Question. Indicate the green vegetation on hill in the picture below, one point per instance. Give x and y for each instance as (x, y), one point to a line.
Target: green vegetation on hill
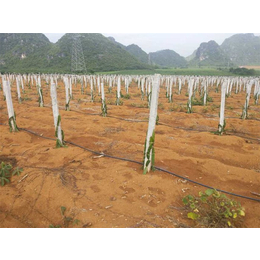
(22, 51)
(35, 53)
(136, 51)
(209, 54)
(167, 58)
(243, 49)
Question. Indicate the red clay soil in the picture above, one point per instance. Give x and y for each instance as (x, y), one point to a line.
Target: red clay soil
(103, 192)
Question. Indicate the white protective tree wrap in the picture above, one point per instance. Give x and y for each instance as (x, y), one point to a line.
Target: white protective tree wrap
(248, 93)
(67, 96)
(118, 93)
(10, 108)
(221, 125)
(39, 89)
(56, 116)
(18, 90)
(190, 89)
(149, 142)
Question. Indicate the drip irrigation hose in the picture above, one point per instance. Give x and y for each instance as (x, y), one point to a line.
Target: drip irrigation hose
(133, 161)
(160, 123)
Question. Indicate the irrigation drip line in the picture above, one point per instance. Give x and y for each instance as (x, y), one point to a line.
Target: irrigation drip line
(204, 114)
(182, 128)
(133, 161)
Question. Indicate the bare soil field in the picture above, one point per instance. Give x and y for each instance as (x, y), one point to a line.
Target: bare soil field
(102, 192)
(251, 67)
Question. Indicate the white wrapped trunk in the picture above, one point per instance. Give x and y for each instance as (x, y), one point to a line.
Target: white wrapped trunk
(222, 107)
(118, 95)
(148, 152)
(55, 110)
(18, 90)
(9, 104)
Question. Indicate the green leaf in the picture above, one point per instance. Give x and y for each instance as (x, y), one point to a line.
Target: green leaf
(204, 198)
(242, 213)
(209, 192)
(193, 215)
(17, 171)
(63, 209)
(201, 193)
(76, 222)
(185, 201)
(190, 197)
(68, 219)
(192, 206)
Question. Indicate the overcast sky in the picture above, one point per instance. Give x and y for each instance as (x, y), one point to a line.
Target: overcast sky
(183, 43)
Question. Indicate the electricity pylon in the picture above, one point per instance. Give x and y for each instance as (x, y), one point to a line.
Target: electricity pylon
(77, 56)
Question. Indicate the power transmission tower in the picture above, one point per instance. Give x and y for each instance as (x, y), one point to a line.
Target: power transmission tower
(77, 56)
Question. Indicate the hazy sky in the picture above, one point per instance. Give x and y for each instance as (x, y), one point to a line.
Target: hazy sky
(183, 43)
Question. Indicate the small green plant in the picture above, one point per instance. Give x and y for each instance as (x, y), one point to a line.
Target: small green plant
(126, 96)
(104, 108)
(119, 102)
(59, 143)
(214, 210)
(26, 98)
(66, 220)
(12, 124)
(136, 95)
(230, 107)
(144, 105)
(67, 106)
(189, 106)
(199, 102)
(149, 160)
(209, 99)
(142, 95)
(6, 172)
(157, 120)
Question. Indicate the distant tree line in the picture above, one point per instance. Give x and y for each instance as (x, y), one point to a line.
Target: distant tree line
(242, 71)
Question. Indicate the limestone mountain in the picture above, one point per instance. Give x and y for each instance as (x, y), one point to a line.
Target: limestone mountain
(136, 51)
(243, 49)
(112, 39)
(99, 52)
(133, 49)
(167, 58)
(23, 52)
(209, 54)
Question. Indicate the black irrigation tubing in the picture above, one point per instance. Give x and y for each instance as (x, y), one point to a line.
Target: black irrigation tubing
(204, 114)
(96, 114)
(133, 161)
